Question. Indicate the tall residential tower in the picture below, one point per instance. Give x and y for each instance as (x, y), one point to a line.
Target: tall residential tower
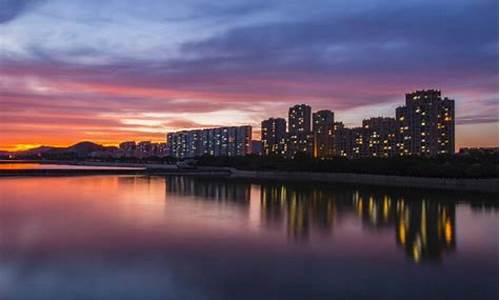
(323, 122)
(299, 130)
(426, 124)
(273, 136)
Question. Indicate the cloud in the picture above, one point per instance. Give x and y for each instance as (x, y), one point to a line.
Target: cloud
(187, 124)
(202, 59)
(478, 119)
(11, 9)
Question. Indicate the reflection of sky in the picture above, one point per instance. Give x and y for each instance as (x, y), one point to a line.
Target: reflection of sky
(172, 65)
(53, 166)
(125, 237)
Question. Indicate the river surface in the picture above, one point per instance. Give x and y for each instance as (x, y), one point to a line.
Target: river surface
(139, 237)
(39, 166)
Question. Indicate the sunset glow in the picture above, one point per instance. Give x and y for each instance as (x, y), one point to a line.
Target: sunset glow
(103, 72)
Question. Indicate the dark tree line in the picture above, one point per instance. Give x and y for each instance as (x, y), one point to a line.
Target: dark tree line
(456, 166)
(475, 165)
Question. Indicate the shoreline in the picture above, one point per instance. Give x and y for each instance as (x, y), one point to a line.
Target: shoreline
(487, 185)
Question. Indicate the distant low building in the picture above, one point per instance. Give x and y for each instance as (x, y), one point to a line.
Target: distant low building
(128, 147)
(221, 141)
(143, 149)
(478, 150)
(160, 149)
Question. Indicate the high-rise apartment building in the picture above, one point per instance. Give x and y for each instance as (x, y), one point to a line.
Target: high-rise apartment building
(273, 136)
(299, 130)
(426, 124)
(342, 140)
(222, 141)
(379, 137)
(323, 123)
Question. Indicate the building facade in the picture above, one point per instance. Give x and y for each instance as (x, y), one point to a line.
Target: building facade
(143, 149)
(128, 147)
(426, 124)
(323, 123)
(379, 137)
(342, 140)
(222, 141)
(300, 137)
(273, 136)
(256, 147)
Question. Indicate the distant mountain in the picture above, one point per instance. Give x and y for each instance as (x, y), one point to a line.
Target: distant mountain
(84, 148)
(79, 149)
(36, 151)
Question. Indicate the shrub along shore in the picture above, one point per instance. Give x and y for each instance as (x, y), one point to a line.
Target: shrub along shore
(478, 166)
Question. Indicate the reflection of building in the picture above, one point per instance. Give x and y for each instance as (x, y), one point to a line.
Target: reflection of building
(426, 229)
(208, 188)
(222, 141)
(323, 121)
(299, 130)
(375, 210)
(299, 209)
(274, 136)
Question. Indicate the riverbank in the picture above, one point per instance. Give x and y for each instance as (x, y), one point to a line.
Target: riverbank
(488, 185)
(69, 172)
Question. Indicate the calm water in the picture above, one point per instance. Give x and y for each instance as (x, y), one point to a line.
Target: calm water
(132, 237)
(58, 167)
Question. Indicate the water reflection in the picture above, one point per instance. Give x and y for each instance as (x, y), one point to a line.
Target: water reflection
(220, 190)
(134, 237)
(425, 229)
(424, 226)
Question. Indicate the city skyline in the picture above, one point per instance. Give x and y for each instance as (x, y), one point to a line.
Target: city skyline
(424, 126)
(194, 65)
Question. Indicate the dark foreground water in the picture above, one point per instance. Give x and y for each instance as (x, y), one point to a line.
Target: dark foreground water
(129, 237)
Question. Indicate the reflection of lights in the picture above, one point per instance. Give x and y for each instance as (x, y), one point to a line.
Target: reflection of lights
(359, 206)
(386, 207)
(448, 232)
(402, 233)
(407, 218)
(423, 223)
(417, 249)
(372, 210)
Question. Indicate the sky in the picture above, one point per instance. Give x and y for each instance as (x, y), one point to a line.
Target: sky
(110, 71)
